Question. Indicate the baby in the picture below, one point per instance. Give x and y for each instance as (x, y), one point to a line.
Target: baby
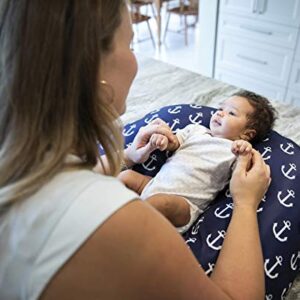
(203, 158)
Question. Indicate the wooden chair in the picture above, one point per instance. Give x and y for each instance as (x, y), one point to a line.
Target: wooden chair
(185, 9)
(137, 17)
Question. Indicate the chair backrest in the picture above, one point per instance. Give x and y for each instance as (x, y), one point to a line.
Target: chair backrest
(189, 6)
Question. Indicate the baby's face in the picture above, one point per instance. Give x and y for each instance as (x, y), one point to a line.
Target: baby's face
(230, 120)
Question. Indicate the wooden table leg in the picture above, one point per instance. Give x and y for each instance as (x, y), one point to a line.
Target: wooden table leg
(158, 5)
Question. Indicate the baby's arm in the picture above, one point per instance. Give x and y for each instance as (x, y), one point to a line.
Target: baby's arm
(134, 180)
(241, 147)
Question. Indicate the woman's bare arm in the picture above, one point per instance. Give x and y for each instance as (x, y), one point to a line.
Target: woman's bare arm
(137, 254)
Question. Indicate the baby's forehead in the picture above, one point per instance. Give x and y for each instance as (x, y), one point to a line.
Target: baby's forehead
(236, 102)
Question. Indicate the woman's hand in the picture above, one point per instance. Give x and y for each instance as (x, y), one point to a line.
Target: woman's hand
(141, 146)
(249, 185)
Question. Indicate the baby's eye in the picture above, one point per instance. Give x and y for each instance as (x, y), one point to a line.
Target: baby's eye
(220, 109)
(232, 113)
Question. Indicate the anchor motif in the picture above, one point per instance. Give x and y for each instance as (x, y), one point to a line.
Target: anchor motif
(195, 228)
(191, 240)
(147, 164)
(294, 259)
(210, 268)
(269, 297)
(212, 112)
(266, 139)
(175, 121)
(290, 194)
(148, 120)
(220, 214)
(283, 294)
(128, 145)
(269, 271)
(267, 149)
(195, 120)
(129, 131)
(211, 244)
(286, 149)
(175, 110)
(227, 193)
(195, 105)
(286, 174)
(277, 234)
(261, 208)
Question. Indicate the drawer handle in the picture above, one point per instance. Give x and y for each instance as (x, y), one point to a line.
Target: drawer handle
(258, 61)
(256, 30)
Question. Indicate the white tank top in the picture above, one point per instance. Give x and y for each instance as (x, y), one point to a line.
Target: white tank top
(38, 235)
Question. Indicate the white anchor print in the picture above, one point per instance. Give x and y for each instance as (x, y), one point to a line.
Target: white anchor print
(286, 149)
(191, 240)
(195, 105)
(227, 193)
(294, 259)
(283, 294)
(261, 208)
(211, 244)
(287, 173)
(212, 112)
(153, 117)
(221, 214)
(175, 110)
(175, 121)
(210, 268)
(196, 119)
(147, 164)
(277, 234)
(269, 297)
(290, 194)
(129, 131)
(266, 139)
(128, 145)
(195, 228)
(272, 268)
(267, 149)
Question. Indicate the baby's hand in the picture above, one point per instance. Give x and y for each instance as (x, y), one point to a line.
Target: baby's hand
(241, 147)
(159, 141)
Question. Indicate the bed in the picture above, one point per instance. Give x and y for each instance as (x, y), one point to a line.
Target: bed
(159, 84)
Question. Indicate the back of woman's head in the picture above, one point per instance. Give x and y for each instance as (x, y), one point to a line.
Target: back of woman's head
(50, 57)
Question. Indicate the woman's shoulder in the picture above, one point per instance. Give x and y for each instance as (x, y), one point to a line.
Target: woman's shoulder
(55, 222)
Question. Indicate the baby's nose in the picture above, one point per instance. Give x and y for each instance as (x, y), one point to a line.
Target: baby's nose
(220, 113)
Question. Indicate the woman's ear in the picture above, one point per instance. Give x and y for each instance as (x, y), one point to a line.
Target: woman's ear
(248, 134)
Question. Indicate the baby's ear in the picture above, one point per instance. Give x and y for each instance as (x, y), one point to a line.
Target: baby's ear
(248, 134)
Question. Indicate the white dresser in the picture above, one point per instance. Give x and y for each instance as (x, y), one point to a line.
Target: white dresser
(257, 47)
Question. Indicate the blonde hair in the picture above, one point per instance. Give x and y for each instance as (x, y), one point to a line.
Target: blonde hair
(49, 90)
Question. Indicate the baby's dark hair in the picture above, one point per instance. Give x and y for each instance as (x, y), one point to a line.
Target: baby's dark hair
(264, 115)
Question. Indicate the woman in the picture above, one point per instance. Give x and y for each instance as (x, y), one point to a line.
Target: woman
(65, 231)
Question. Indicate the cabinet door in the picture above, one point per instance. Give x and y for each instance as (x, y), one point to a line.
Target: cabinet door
(260, 31)
(239, 6)
(285, 12)
(264, 62)
(294, 83)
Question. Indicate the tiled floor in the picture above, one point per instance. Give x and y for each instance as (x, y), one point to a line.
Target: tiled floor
(173, 50)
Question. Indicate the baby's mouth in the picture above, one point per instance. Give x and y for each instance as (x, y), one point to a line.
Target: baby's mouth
(217, 122)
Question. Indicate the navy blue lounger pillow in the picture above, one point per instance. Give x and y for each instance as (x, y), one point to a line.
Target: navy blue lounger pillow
(278, 213)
